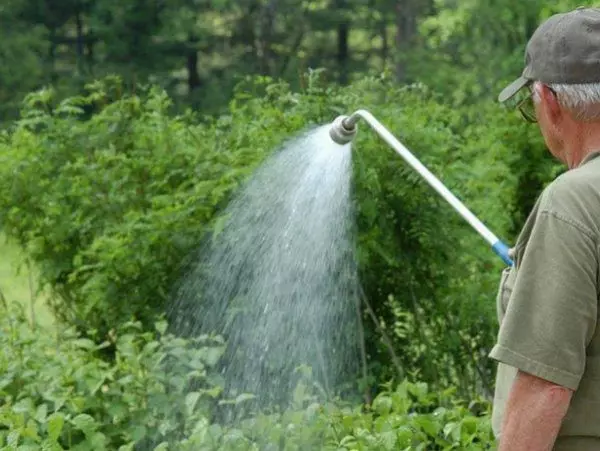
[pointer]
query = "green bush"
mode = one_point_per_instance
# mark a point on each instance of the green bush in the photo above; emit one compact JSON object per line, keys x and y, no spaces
{"x":110,"y":195}
{"x":57,"y":394}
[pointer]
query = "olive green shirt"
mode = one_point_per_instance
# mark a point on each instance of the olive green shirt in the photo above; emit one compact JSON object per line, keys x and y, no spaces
{"x":547,"y":303}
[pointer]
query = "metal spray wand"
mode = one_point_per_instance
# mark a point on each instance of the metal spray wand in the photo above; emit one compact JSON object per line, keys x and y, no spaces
{"x":343,"y":131}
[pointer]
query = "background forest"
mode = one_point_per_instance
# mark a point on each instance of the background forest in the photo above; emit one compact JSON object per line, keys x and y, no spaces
{"x":128,"y":125}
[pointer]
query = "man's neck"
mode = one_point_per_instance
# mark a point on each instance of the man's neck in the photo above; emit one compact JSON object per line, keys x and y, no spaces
{"x":586,"y":142}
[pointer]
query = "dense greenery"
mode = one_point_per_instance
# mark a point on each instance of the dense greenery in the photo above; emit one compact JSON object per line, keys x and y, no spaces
{"x":110,"y":195}
{"x":59,"y":394}
{"x":199,"y":50}
{"x":128,"y":127}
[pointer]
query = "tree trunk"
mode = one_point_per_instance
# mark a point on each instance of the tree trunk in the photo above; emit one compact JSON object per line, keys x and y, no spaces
{"x":406,"y":27}
{"x":343,"y":32}
{"x":245,"y":34}
{"x":385,"y":45}
{"x":89,"y":46}
{"x":52,"y":56}
{"x":79,"y":42}
{"x":292,"y":53}
{"x":265,"y":38}
{"x":194,"y":81}
{"x":343,"y":52}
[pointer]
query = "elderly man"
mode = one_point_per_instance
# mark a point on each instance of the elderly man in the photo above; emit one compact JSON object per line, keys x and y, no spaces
{"x":548,"y":348}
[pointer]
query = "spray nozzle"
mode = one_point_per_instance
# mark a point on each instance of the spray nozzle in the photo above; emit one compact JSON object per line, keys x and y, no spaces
{"x":342,"y":130}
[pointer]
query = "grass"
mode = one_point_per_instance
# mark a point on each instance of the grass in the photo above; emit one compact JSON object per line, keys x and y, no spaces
{"x":18,"y":284}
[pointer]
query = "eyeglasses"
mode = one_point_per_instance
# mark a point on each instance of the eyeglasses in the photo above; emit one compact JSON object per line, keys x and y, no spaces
{"x":524,"y":102}
{"x":526,"y":106}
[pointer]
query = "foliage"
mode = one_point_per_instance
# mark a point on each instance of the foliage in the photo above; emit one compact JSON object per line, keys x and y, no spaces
{"x":111,"y":195}
{"x":104,"y":188}
{"x":17,"y":283}
{"x":199,"y":50}
{"x":59,"y":394}
{"x":470,"y":49}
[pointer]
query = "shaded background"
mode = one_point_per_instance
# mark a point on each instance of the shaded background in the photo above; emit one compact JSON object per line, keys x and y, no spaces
{"x":199,"y":50}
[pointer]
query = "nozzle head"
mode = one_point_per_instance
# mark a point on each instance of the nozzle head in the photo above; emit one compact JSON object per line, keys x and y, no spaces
{"x":340,"y":133}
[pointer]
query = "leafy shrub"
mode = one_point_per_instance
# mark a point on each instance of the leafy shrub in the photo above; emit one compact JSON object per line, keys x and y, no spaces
{"x":110,"y":194}
{"x":57,"y":393}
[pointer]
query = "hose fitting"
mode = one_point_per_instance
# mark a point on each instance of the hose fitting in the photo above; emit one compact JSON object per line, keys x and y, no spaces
{"x":341,"y":132}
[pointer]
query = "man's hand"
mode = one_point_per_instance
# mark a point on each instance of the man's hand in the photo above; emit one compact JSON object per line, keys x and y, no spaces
{"x":533,"y":414}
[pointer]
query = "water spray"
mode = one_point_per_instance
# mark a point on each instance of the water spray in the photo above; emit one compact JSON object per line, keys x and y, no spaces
{"x":343,"y":130}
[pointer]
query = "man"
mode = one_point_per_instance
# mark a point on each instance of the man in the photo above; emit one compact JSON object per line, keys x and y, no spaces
{"x":548,"y":348}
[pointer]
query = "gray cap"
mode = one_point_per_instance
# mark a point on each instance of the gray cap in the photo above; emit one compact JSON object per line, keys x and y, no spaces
{"x":564,"y":49}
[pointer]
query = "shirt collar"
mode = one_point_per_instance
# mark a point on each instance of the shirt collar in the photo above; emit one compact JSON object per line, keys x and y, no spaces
{"x":589,"y":157}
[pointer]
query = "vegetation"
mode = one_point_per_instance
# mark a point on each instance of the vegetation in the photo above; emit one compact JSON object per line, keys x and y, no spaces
{"x":200,"y":50}
{"x":18,"y":284}
{"x":59,"y":394}
{"x":109,"y":205}
{"x":122,"y":142}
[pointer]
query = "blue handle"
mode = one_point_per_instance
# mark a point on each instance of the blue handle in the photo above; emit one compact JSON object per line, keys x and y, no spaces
{"x":502,"y":250}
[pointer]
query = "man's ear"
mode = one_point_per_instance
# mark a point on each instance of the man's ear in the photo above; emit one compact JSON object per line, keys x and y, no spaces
{"x":550,"y":103}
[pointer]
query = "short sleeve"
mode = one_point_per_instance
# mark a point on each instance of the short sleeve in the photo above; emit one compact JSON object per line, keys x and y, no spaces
{"x":552,"y":311}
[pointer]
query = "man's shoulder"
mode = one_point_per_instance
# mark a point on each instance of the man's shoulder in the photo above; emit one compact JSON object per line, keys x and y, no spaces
{"x":575,"y":196}
{"x":579,"y":186}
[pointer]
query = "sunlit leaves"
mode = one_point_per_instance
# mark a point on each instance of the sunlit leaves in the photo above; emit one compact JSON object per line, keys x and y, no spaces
{"x":111,"y":207}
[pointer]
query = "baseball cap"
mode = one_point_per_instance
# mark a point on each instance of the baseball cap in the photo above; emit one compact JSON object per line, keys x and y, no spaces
{"x":564,"y":49}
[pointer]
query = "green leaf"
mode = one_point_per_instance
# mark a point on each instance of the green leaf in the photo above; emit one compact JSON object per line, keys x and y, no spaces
{"x":56,"y":422}
{"x":244,"y":397}
{"x":212,"y":392}
{"x":452,"y":430}
{"x":161,"y":327}
{"x":24,"y":406}
{"x":190,"y":402}
{"x":469,"y":425}
{"x":428,"y":425}
{"x":405,"y":436}
{"x":12,"y":439}
{"x":382,"y":405}
{"x":85,"y":343}
{"x":348,"y":442}
{"x":41,"y":413}
{"x":85,"y":423}
{"x":139,"y":433}
{"x":389,"y":440}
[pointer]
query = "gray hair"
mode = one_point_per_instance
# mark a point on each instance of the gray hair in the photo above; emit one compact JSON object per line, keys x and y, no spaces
{"x":583,"y":100}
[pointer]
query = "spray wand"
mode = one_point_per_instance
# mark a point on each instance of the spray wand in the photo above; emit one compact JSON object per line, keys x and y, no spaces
{"x":343,"y":130}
